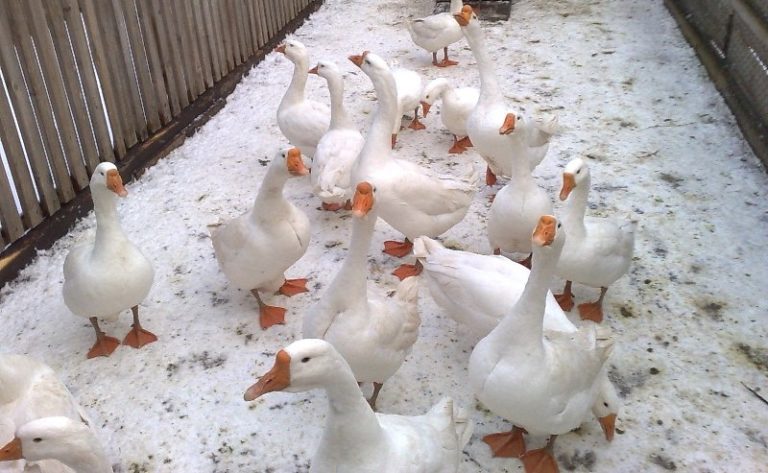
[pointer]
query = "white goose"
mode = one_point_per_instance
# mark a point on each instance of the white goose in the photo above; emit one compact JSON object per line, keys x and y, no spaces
{"x":338,"y":148}
{"x":458,"y":103}
{"x":373,"y":332}
{"x":33,"y":398}
{"x":409,"y":88}
{"x":519,"y":204}
{"x":598,"y":250}
{"x":436,"y":32}
{"x":544,"y":382}
{"x":478,"y":290}
{"x":255,"y":249}
{"x":491,"y":109}
{"x":57,"y":441}
{"x":410,"y":200}
{"x":302,"y":121}
{"x":104,"y":277}
{"x":357,"y":440}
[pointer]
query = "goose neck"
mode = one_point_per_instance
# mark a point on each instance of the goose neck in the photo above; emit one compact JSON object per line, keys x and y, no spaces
{"x":489,"y":86}
{"x":269,"y":199}
{"x":339,"y":117}
{"x":576,"y":208}
{"x":380,"y":134}
{"x":108,"y":227}
{"x":351,"y":280}
{"x":295,"y":92}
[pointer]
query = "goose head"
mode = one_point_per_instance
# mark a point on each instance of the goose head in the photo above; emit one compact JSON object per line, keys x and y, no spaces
{"x":370,"y":63}
{"x":301,"y":366}
{"x":57,"y":438}
{"x":606,"y":408}
{"x":293,"y":50}
{"x":512,"y":122}
{"x":326,"y":70}
{"x":575,"y":174}
{"x":433,"y":92}
{"x":106,"y":178}
{"x":363,"y":200}
{"x":290,"y":160}
{"x":467,"y":17}
{"x":548,"y":238}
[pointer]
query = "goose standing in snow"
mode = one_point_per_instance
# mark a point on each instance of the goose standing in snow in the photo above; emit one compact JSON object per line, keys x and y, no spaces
{"x":338,"y":148}
{"x":373,"y":332}
{"x":255,"y":249}
{"x":357,"y":440}
{"x":458,"y":103}
{"x":106,"y":276}
{"x":598,"y":250}
{"x":409,"y":89}
{"x":302,"y":121}
{"x":544,"y":382}
{"x":436,"y":32}
{"x":412,"y":201}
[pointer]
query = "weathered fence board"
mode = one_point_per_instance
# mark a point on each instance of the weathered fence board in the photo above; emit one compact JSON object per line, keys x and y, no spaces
{"x":151,"y":49}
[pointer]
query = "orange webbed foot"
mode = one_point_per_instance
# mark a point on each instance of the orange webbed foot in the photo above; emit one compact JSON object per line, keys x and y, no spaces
{"x":490,"y":177}
{"x":565,"y":300}
{"x":539,"y":461}
{"x":104,"y":346}
{"x":416,"y":125}
{"x":591,"y":311}
{"x":398,"y":249}
{"x":456,"y":148}
{"x":446,"y":63}
{"x":270,"y":315}
{"x":506,"y":444}
{"x":331,"y":207}
{"x":291,"y":287}
{"x":138,"y":337}
{"x":408,"y":270}
{"x":466,"y":142}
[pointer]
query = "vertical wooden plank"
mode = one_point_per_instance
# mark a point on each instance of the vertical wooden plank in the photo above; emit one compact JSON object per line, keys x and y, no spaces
{"x":234,"y":46}
{"x":25,"y":115}
{"x":84,"y":64}
{"x":225,"y":30}
{"x":188,"y":46}
{"x":210,"y":36}
{"x":246,"y":48}
{"x":68,"y":67}
{"x":251,"y":23}
{"x":119,"y":115}
{"x":269,"y":8}
{"x":261,"y":14}
{"x":42,"y":107}
{"x":154,"y":30}
{"x":149,"y":100}
{"x":166,"y":22}
{"x":57,"y":93}
{"x":202,"y":43}
{"x":152,"y":50}
{"x":236,"y":30}
{"x":10,"y":220}
{"x":219,"y":37}
{"x":113,"y":18}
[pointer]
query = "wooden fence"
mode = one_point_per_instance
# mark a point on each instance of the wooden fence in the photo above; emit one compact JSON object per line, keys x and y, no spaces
{"x":731,"y":38}
{"x":84,"y":81}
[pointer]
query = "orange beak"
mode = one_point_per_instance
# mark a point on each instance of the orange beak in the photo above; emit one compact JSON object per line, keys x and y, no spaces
{"x":608,"y":423}
{"x":358,"y":59}
{"x":280,"y":48}
{"x":313,"y":70}
{"x":463,"y":18}
{"x":425,"y":107}
{"x":362,"y":202}
{"x":276,"y":379}
{"x":115,"y":183}
{"x":11,"y":450}
{"x":544,"y":234}
{"x":569,"y":183}
{"x":509,"y":124}
{"x":295,"y":164}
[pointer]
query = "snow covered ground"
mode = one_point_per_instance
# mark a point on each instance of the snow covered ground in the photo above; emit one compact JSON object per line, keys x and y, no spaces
{"x":689,"y":319}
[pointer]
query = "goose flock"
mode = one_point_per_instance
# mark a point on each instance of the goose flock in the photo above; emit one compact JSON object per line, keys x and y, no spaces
{"x":534,"y":366}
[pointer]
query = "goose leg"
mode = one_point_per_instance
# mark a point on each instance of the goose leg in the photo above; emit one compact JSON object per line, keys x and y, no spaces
{"x":394,"y":140}
{"x":376,"y":389}
{"x":137,"y":337}
{"x":466,"y":142}
{"x":527,"y":261}
{"x":507,"y":444}
{"x":490,"y":177}
{"x":416,"y":124}
{"x":566,"y":298}
{"x":541,"y":460}
{"x":104,"y":345}
{"x":593,"y":310}
{"x":291,"y":287}
{"x":446,"y":62}
{"x":407,"y":270}
{"x":268,"y":315}
{"x":457,"y":148}
{"x":398,"y":249}
{"x":434,"y":58}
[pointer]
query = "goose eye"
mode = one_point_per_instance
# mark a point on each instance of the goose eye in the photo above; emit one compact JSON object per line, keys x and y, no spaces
{"x":37,"y":440}
{"x":605,"y":404}
{"x":368,"y":62}
{"x":578,"y":171}
{"x":305,"y":359}
{"x":559,"y":225}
